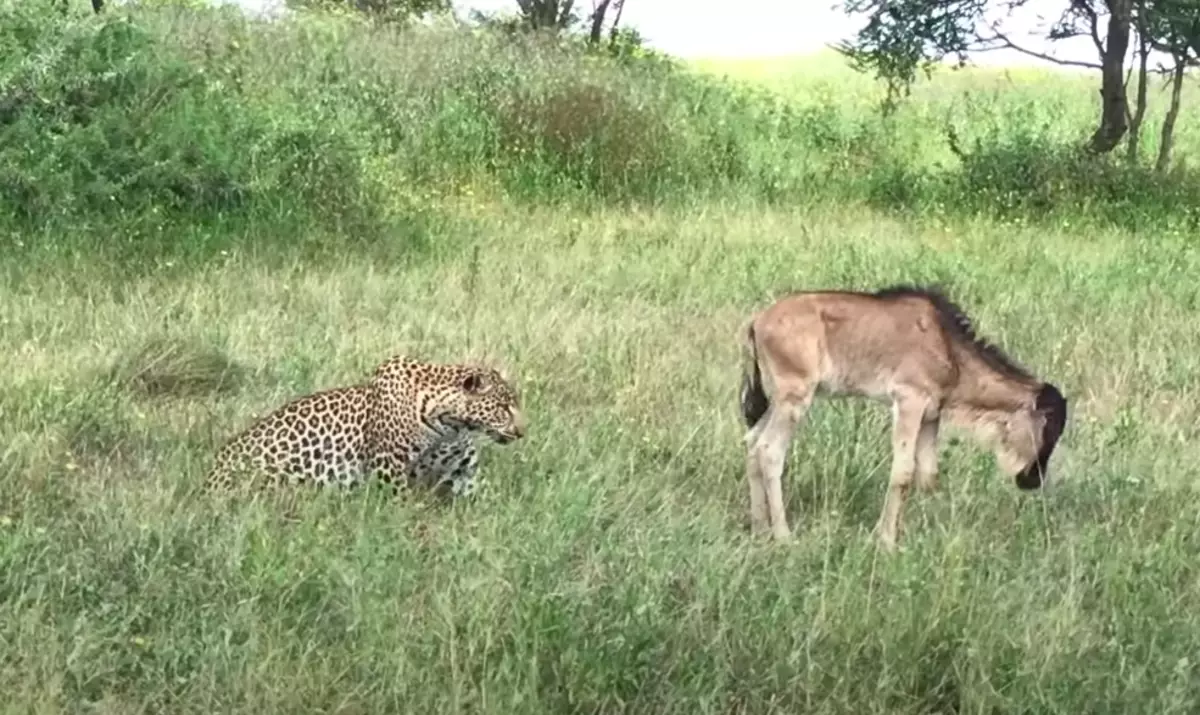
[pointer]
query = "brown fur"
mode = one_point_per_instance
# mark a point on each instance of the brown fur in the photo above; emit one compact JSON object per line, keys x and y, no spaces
{"x":910,"y":347}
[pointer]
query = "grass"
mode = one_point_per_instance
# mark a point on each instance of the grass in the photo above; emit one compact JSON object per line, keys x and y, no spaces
{"x":607,"y":568}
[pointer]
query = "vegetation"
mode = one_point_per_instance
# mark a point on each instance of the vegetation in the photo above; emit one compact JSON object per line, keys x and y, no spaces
{"x":901,"y":37}
{"x":204,"y":215}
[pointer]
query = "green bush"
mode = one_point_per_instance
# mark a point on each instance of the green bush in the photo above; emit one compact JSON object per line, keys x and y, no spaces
{"x":152,"y":123}
{"x":103,"y":121}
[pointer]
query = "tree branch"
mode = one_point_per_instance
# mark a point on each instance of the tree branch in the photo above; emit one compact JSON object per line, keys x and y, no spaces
{"x":612,"y":32}
{"x":1085,"y":7}
{"x":1009,"y":44}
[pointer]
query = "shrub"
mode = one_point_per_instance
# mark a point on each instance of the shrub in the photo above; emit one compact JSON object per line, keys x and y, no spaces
{"x":104,"y":121}
{"x":156,"y":121}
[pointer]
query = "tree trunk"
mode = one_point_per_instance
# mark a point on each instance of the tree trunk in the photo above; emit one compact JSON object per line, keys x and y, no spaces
{"x":564,"y":14}
{"x":1139,"y":113}
{"x":612,"y":31}
{"x":545,"y":14}
{"x":1168,"y":125}
{"x":601,"y":9}
{"x":1114,"y":103}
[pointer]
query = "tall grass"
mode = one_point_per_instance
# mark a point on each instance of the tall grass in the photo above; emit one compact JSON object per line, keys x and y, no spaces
{"x":206,"y":215}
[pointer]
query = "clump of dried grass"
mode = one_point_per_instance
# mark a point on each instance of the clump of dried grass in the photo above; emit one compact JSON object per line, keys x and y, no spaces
{"x":176,"y":367}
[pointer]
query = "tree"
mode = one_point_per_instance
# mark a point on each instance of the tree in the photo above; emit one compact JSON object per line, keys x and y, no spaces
{"x":600,"y":10}
{"x":1171,"y":27}
{"x":97,"y":6}
{"x":548,"y":14}
{"x":558,"y":16}
{"x":904,"y":36}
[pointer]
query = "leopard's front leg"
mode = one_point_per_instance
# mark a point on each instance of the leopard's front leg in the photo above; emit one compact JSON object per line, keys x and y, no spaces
{"x":459,"y":470}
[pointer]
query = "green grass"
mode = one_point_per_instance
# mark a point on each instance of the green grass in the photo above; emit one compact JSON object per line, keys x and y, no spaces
{"x":607,"y":568}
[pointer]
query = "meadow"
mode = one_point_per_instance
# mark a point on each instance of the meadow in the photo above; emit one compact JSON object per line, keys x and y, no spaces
{"x":205,"y":217}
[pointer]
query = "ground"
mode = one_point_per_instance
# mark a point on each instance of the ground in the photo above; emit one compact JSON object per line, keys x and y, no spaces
{"x":609,"y":569}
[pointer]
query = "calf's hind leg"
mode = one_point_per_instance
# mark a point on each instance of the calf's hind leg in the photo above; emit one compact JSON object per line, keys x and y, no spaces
{"x":766,"y":451}
{"x":908,"y":424}
{"x":759,"y":523}
{"x":927,"y":454}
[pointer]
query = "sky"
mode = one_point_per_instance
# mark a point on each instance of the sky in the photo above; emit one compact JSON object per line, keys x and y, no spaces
{"x":763,"y":28}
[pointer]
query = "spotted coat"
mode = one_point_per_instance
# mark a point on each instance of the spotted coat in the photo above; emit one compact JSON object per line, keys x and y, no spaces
{"x":413,"y":423}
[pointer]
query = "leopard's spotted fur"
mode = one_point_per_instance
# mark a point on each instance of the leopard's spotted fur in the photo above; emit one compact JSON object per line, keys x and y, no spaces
{"x":414,"y":422}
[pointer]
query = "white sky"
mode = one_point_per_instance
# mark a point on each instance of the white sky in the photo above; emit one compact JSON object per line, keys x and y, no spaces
{"x":707,"y":28}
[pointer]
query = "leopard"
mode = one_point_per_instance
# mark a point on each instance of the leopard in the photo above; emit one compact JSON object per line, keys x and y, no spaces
{"x":414,"y":423}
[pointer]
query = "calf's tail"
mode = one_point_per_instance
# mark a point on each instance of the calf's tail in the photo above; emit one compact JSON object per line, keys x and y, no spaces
{"x":753,"y":398}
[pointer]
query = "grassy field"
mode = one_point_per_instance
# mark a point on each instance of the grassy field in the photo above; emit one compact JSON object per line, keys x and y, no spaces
{"x":607,"y":567}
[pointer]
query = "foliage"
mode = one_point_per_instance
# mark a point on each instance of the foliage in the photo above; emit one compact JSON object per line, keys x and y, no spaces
{"x":401,"y":11}
{"x":102,"y":121}
{"x":1171,"y":26}
{"x":548,"y":14}
{"x":248,"y":130}
{"x":906,"y":36}
{"x":901,"y":36}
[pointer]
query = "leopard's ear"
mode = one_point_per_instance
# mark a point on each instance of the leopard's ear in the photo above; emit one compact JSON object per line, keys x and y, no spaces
{"x":488,"y":360}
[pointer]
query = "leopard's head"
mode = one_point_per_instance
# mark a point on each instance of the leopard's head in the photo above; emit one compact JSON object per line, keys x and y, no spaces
{"x":454,"y":397}
{"x":479,"y":398}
